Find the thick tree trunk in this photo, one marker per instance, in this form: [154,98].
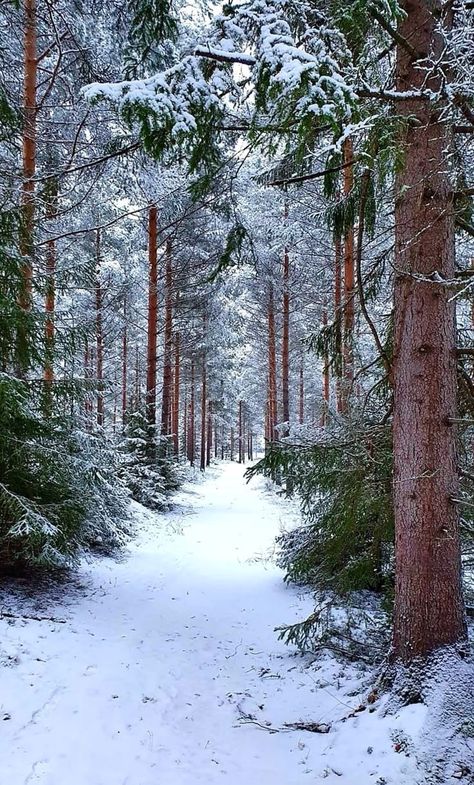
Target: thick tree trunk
[152,317]
[99,332]
[349,283]
[168,343]
[428,598]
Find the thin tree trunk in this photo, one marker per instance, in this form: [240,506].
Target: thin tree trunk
[272,378]
[349,282]
[338,319]
[203,414]
[51,197]
[191,431]
[137,379]
[241,424]
[152,317]
[285,353]
[29,146]
[124,363]
[301,399]
[209,434]
[87,376]
[99,333]
[326,381]
[232,444]
[175,425]
[28,185]
[429,609]
[168,343]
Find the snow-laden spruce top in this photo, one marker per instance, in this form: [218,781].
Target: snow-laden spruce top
[292,67]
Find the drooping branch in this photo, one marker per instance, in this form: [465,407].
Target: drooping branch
[393,33]
[363,306]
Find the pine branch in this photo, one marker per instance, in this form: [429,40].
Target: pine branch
[393,33]
[360,235]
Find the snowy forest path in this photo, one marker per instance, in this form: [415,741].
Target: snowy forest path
[165,653]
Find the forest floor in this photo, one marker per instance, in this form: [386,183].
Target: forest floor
[163,668]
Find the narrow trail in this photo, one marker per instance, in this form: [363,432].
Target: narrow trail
[162,654]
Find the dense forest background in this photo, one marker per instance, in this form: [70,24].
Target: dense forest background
[236,234]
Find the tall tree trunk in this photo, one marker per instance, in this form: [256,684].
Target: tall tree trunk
[272,377]
[88,377]
[175,425]
[137,379]
[152,317]
[326,380]
[209,434]
[241,427]
[285,349]
[168,342]
[29,145]
[349,287]
[232,444]
[301,399]
[429,609]
[191,429]
[51,198]
[124,362]
[203,413]
[338,316]
[99,332]
[30,64]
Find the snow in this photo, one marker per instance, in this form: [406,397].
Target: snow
[164,667]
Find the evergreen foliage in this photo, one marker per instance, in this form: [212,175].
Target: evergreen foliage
[146,469]
[343,481]
[57,491]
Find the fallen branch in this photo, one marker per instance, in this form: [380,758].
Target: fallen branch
[8,615]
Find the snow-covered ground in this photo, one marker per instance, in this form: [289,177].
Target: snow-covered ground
[164,668]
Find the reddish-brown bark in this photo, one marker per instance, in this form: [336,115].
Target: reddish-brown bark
[51,197]
[285,349]
[99,333]
[209,434]
[203,413]
[152,316]
[176,394]
[301,391]
[29,146]
[191,420]
[168,343]
[428,599]
[326,380]
[124,363]
[349,281]
[338,316]
[272,377]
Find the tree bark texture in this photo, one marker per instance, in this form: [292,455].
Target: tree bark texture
[429,609]
[152,317]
